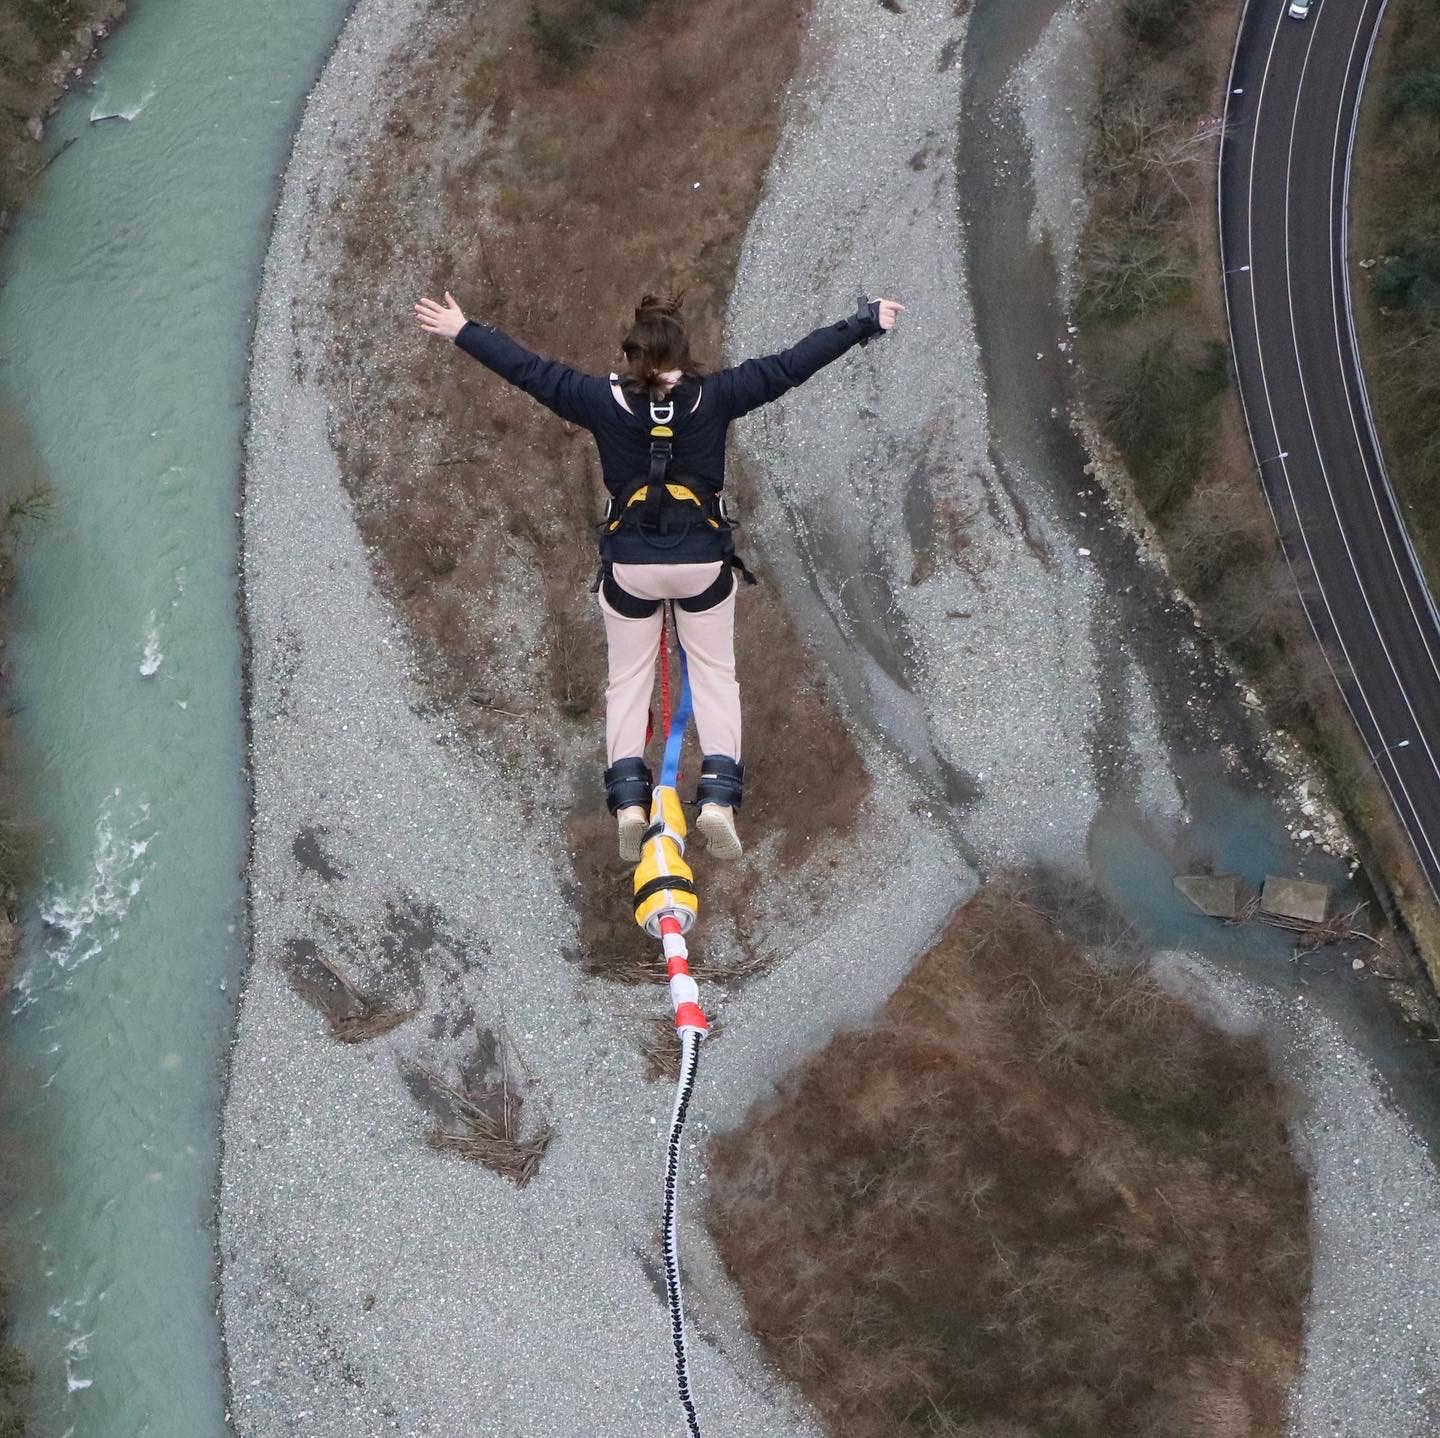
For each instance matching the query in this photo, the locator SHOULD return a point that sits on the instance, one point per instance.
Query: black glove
(866, 320)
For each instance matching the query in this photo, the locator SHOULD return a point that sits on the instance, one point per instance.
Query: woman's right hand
(887, 312)
(436, 319)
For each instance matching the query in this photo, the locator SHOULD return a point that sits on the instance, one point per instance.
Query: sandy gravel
(1053, 91)
(372, 1286)
(979, 670)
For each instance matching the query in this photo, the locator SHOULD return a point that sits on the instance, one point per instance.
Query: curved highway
(1290, 121)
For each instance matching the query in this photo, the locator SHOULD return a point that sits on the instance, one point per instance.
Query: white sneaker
(631, 823)
(717, 824)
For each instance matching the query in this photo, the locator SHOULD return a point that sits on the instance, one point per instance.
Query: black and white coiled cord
(689, 1062)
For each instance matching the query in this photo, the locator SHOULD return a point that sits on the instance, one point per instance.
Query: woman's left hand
(436, 319)
(887, 313)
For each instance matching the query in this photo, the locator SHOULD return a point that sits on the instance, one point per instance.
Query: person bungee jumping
(660, 429)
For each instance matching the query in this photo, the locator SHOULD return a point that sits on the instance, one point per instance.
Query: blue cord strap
(679, 720)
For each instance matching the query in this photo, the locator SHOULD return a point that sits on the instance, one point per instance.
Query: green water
(124, 322)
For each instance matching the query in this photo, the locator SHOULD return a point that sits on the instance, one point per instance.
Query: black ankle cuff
(722, 781)
(627, 781)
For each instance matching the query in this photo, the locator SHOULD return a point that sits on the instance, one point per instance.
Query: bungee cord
(666, 904)
(689, 1063)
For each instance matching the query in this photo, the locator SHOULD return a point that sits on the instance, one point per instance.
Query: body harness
(662, 509)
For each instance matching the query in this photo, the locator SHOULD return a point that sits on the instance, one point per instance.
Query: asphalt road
(1284, 189)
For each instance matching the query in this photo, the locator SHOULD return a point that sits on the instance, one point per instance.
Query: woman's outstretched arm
(758, 381)
(572, 395)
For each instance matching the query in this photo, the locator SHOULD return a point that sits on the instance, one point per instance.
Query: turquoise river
(125, 319)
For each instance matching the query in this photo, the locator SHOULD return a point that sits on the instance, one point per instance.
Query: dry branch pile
(482, 1117)
(352, 1014)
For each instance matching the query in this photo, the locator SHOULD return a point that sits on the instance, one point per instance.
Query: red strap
(665, 670)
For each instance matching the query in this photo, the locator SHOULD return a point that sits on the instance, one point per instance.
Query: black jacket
(704, 406)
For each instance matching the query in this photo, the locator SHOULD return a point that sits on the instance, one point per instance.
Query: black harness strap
(714, 593)
(655, 514)
(621, 508)
(663, 881)
(625, 604)
(742, 568)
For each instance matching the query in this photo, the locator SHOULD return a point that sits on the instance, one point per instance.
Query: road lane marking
(1335, 310)
(1341, 530)
(1375, 445)
(1400, 810)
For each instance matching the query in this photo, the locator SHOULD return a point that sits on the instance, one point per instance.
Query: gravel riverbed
(371, 1285)
(374, 1286)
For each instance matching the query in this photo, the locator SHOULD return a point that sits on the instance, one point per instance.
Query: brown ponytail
(657, 341)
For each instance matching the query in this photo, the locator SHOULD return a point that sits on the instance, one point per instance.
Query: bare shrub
(15, 1378)
(352, 1014)
(1159, 412)
(611, 945)
(1397, 225)
(659, 1046)
(1156, 22)
(1037, 1198)
(481, 1116)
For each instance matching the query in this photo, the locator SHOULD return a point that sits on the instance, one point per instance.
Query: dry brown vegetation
(601, 157)
(481, 1117)
(26, 501)
(1397, 226)
(655, 1039)
(1156, 375)
(353, 1015)
(34, 35)
(1040, 1199)
(1154, 347)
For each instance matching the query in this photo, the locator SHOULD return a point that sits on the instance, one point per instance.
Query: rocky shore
(43, 91)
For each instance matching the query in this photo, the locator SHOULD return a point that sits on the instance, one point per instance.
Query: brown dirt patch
(1038, 1199)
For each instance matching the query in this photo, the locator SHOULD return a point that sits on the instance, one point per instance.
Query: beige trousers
(709, 640)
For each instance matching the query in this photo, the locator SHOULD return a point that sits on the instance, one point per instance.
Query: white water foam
(126, 112)
(83, 921)
(152, 657)
(76, 1350)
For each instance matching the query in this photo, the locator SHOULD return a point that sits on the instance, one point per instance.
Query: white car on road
(1299, 9)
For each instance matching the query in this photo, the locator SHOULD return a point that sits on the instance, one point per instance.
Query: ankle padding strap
(627, 781)
(722, 781)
